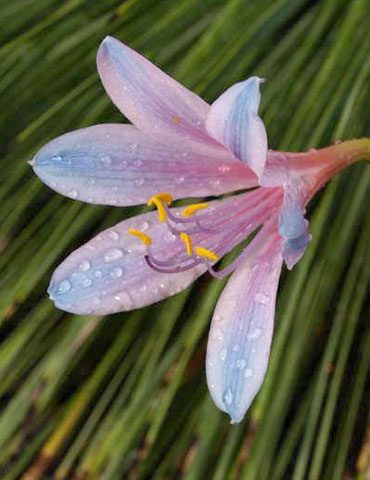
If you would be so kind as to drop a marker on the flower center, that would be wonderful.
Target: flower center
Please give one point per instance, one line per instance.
(206, 238)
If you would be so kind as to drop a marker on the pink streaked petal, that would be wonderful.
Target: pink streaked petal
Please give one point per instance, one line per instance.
(150, 99)
(233, 120)
(109, 274)
(242, 326)
(114, 164)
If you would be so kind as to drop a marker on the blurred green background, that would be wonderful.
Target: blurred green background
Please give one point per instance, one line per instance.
(125, 397)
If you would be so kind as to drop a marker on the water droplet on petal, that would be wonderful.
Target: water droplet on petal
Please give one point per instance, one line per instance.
(117, 272)
(248, 373)
(98, 274)
(223, 354)
(227, 397)
(262, 298)
(113, 235)
(255, 333)
(91, 181)
(73, 193)
(87, 282)
(84, 266)
(64, 287)
(241, 364)
(139, 182)
(236, 348)
(105, 159)
(125, 300)
(144, 226)
(113, 254)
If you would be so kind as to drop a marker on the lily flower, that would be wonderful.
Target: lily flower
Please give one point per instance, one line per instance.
(181, 147)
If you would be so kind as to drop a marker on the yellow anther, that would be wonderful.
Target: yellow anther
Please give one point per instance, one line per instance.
(143, 236)
(191, 209)
(187, 240)
(158, 200)
(162, 196)
(203, 252)
(176, 120)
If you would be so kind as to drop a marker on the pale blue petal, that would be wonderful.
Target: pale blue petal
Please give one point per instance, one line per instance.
(118, 165)
(233, 120)
(241, 331)
(109, 273)
(293, 227)
(150, 99)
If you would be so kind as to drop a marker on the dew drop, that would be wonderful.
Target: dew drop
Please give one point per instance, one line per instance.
(53, 184)
(241, 364)
(73, 193)
(113, 254)
(64, 287)
(179, 180)
(139, 182)
(84, 266)
(236, 348)
(105, 159)
(223, 354)
(117, 272)
(262, 298)
(255, 333)
(248, 373)
(125, 300)
(227, 397)
(137, 163)
(98, 274)
(144, 226)
(91, 181)
(87, 282)
(224, 168)
(113, 235)
(56, 158)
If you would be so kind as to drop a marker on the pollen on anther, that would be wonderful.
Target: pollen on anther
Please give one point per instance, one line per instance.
(187, 240)
(203, 252)
(176, 120)
(191, 209)
(143, 237)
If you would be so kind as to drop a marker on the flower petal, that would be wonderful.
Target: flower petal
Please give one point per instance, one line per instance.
(150, 99)
(293, 227)
(109, 273)
(241, 330)
(114, 164)
(233, 120)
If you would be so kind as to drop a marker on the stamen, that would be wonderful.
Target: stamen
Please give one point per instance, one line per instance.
(143, 237)
(180, 268)
(176, 120)
(186, 239)
(163, 196)
(191, 209)
(158, 200)
(203, 252)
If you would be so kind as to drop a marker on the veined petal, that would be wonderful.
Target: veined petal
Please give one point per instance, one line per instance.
(113, 164)
(109, 273)
(233, 120)
(293, 227)
(242, 326)
(150, 99)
